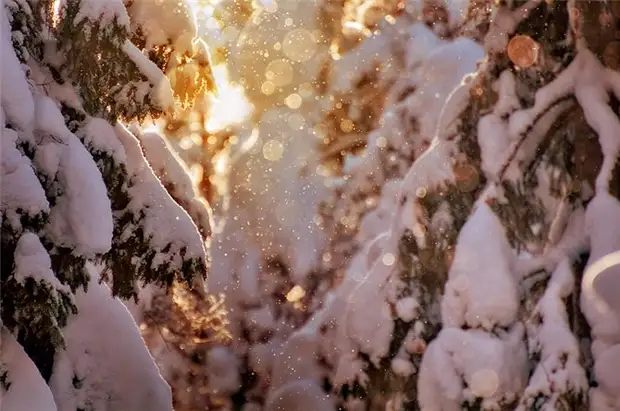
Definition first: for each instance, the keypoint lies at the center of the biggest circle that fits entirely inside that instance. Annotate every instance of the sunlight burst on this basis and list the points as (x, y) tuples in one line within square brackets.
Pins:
[(229, 95)]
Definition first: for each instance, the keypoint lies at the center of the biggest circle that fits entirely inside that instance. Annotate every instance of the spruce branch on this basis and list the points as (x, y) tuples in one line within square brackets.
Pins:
[(524, 135)]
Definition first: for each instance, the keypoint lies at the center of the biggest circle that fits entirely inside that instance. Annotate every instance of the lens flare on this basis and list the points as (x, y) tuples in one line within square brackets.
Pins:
[(523, 51), (593, 271)]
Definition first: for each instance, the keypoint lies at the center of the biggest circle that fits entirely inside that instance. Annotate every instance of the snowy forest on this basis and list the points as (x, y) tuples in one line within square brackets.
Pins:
[(310, 205)]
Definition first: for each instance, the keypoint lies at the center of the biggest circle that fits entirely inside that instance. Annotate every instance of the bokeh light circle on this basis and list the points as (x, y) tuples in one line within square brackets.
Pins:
[(523, 51), (484, 383), (293, 101), (296, 121), (299, 45), (267, 88), (273, 150), (280, 72)]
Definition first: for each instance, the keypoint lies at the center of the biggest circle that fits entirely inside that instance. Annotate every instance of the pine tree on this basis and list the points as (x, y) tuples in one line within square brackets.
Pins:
[(80, 202), (261, 258), (400, 76), (475, 290)]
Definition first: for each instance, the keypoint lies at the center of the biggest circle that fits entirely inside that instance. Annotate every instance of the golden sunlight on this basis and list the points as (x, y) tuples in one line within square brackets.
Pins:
[(55, 13), (229, 95), (295, 294), (200, 8)]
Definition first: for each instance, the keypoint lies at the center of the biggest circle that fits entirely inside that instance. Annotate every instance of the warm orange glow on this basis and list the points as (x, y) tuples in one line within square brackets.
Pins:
[(295, 294), (229, 95), (55, 13), (201, 9), (523, 51)]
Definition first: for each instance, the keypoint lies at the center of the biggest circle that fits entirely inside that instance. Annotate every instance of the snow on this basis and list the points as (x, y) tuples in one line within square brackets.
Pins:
[(481, 290), (84, 195), (39, 76), (16, 97), (280, 197), (372, 330), (60, 154), (33, 261), (438, 69), (222, 365), (606, 373), (99, 134), (402, 367), (165, 222), (104, 12), (450, 70), (598, 301), (421, 44), (599, 284), (230, 255), (369, 329), (296, 362), (590, 83), (304, 395), (167, 164), (162, 89), (163, 22), (559, 370), (48, 118), (374, 223), (352, 66), (47, 159), (27, 391), (261, 357), (494, 138), (494, 369), (115, 373), (504, 24), (349, 369), (175, 176), (407, 308), (507, 101), (272, 214), (559, 88), (261, 319), (592, 95), (104, 363), (573, 241), (21, 189)]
